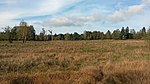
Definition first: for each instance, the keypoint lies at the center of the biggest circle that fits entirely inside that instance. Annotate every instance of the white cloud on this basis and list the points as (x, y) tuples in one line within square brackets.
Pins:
[(124, 14), (117, 16), (86, 18), (70, 21), (146, 1), (6, 18), (135, 9), (60, 22)]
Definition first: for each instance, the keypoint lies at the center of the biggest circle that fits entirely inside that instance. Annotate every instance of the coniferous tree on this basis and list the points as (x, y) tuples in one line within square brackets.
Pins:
[(108, 35), (122, 34), (143, 32), (127, 33)]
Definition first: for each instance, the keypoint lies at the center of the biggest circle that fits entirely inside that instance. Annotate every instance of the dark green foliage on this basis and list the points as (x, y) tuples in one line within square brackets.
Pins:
[(8, 34), (76, 36), (57, 37), (116, 34), (31, 33)]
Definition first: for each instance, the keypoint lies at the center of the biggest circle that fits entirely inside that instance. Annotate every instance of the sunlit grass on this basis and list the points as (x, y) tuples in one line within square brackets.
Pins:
[(71, 58)]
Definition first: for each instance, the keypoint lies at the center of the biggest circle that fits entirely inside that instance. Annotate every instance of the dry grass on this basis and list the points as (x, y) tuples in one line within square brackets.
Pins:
[(75, 62)]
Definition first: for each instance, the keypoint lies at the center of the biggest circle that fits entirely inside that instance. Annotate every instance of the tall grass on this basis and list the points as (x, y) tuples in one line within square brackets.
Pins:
[(78, 62)]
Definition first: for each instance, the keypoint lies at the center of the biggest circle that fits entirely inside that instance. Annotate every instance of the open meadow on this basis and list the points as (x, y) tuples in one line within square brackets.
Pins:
[(75, 62)]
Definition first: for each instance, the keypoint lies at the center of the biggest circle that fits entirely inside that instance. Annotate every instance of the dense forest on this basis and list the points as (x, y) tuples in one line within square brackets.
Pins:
[(27, 33)]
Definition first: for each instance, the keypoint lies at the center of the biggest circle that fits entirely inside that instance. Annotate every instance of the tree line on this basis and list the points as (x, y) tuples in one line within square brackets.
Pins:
[(27, 33)]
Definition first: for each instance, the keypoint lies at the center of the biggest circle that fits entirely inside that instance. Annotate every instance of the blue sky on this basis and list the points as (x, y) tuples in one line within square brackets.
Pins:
[(64, 16)]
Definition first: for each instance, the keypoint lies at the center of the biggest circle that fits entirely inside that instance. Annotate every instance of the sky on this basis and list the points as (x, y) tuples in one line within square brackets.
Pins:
[(68, 16)]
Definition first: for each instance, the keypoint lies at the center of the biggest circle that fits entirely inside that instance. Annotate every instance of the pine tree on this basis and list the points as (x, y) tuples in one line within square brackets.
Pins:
[(108, 35)]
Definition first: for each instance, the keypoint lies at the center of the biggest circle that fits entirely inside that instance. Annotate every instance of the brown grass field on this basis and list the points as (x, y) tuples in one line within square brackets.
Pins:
[(75, 62)]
